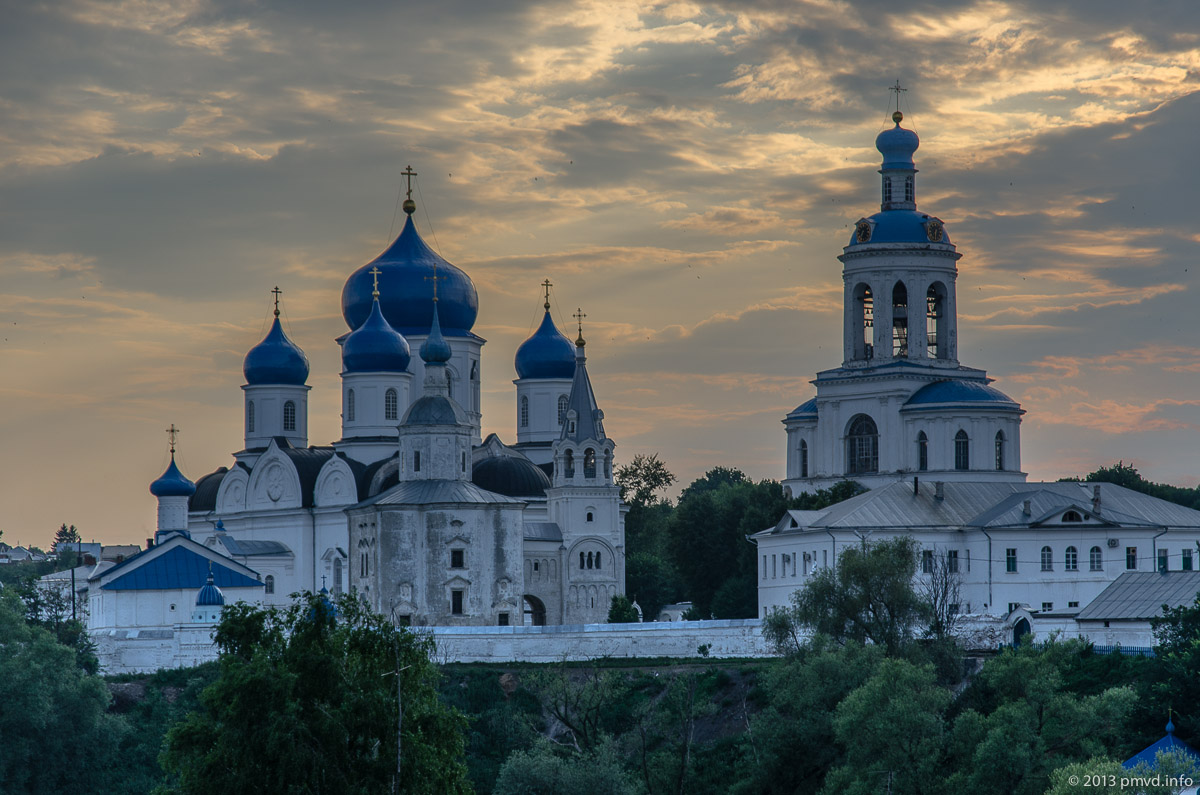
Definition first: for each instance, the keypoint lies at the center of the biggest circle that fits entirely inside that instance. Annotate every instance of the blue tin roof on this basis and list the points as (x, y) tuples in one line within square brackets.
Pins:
[(546, 354), (176, 568), (1149, 755), (406, 268), (172, 483), (375, 347), (807, 408), (275, 360), (972, 393), (899, 226)]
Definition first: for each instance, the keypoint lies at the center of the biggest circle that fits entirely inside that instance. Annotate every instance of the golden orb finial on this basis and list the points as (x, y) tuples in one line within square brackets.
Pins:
[(897, 117)]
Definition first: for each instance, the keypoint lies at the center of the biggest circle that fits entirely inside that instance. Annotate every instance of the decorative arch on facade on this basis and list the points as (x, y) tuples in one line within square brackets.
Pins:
[(231, 494), (274, 482), (335, 484)]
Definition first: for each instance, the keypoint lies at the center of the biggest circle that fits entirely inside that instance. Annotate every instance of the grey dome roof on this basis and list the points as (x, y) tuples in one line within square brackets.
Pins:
[(511, 476), (434, 410)]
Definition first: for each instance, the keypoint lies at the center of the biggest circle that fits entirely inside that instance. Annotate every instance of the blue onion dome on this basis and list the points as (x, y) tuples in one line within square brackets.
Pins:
[(375, 347), (275, 360), (435, 349), (210, 595), (546, 354), (897, 145), (403, 281), (172, 483)]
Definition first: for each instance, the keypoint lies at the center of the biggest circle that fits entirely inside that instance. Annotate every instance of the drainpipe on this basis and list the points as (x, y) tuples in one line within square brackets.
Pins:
[(832, 548), (1154, 550), (991, 604)]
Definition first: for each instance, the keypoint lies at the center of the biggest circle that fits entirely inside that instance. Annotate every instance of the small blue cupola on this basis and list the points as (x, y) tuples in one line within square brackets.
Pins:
[(210, 595), (897, 146), (172, 483), (435, 349), (375, 347), (547, 353), (276, 360)]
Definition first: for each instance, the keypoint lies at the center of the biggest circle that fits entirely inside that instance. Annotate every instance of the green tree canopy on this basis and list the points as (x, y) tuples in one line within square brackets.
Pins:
[(306, 702), (622, 611), (642, 478)]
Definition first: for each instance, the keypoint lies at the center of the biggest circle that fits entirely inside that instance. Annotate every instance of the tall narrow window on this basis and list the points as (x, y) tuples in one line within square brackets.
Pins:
[(597, 560), (922, 451), (1162, 559), (456, 602), (337, 576), (1071, 560), (589, 463), (289, 416), (524, 418), (569, 465), (269, 584), (803, 458), (449, 385), (952, 561), (927, 561), (350, 405), (562, 408), (962, 450), (416, 460), (999, 451), (935, 310), (250, 417), (1010, 560), (909, 192), (1131, 558), (1186, 563), (581, 556), (1047, 559), (589, 560), (391, 406), (862, 446), (887, 190), (1096, 559), (900, 320), (864, 322)]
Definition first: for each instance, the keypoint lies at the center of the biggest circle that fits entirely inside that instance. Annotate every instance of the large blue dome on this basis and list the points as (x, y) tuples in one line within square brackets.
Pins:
[(172, 483), (972, 394), (407, 292), (902, 226), (546, 354), (897, 146), (375, 347), (275, 360)]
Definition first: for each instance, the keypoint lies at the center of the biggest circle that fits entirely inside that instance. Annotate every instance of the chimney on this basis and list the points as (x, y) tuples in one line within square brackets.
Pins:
[(1096, 499), (916, 487), (149, 543), (1025, 508), (939, 490)]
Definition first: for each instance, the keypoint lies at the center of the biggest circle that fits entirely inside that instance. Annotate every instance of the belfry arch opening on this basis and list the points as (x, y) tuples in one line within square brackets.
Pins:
[(935, 322), (900, 320), (535, 612), (864, 323)]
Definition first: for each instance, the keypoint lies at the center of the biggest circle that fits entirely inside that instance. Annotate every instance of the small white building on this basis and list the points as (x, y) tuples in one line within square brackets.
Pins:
[(1053, 547)]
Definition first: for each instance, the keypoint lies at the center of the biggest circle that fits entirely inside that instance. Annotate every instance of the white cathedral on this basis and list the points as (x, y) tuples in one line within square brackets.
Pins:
[(433, 525)]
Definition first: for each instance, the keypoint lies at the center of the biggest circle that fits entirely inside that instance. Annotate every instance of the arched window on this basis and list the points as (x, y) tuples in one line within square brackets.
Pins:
[(962, 450), (589, 463), (589, 560), (922, 452), (1096, 559), (524, 418), (391, 405), (250, 417), (569, 465), (449, 384), (589, 516), (350, 406), (1071, 560), (597, 560), (289, 416), (562, 408), (1047, 559), (416, 460), (269, 584), (581, 560), (803, 458), (864, 323), (935, 311), (999, 450), (862, 446), (900, 320), (1072, 516), (337, 575)]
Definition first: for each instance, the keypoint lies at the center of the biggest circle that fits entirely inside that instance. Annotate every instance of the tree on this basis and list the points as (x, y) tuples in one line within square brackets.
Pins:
[(580, 702), (940, 587), (1177, 659), (622, 611), (65, 536), (867, 596), (652, 581), (549, 770), (54, 725), (642, 478), (307, 702)]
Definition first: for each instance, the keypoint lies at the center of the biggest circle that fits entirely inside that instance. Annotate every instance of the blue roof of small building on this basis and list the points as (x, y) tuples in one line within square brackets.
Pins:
[(899, 226), (275, 360), (172, 483), (176, 568), (249, 549), (1169, 743), (941, 393), (808, 407), (375, 347), (406, 268), (546, 354)]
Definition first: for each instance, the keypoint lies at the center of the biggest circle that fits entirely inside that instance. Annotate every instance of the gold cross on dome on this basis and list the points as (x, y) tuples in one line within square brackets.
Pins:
[(375, 272), (408, 175), (435, 279), (172, 434), (579, 316), (277, 293), (897, 89), (547, 285)]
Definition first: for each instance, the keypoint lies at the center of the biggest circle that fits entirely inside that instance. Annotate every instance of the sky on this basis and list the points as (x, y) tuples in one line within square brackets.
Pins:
[(685, 173)]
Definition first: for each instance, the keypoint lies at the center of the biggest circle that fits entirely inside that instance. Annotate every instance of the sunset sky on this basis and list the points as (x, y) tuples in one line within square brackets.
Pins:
[(686, 173)]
